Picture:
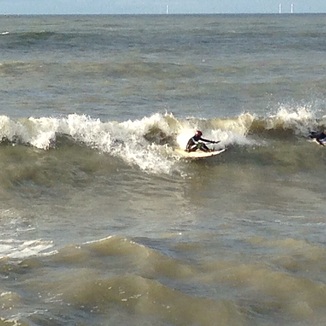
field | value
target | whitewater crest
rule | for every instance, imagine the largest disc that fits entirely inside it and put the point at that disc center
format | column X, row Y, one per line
column 149, row 142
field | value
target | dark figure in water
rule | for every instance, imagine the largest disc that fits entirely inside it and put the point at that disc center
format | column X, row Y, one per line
column 319, row 136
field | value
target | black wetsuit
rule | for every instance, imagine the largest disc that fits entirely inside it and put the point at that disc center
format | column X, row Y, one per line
column 196, row 142
column 320, row 137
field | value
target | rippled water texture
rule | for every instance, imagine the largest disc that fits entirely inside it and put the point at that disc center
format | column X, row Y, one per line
column 103, row 223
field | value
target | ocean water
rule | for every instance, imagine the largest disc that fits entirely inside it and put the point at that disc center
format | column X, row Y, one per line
column 102, row 223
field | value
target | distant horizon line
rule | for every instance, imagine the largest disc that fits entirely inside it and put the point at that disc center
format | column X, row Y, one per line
column 164, row 14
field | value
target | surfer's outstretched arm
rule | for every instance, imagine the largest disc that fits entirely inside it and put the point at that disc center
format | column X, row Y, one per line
column 209, row 141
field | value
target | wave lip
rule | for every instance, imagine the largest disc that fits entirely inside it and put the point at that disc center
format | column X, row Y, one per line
column 158, row 129
column 148, row 143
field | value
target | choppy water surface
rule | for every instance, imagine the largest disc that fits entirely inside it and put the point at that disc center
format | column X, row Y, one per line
column 103, row 223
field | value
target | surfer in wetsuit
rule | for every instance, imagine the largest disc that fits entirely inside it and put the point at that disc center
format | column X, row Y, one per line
column 197, row 142
column 320, row 137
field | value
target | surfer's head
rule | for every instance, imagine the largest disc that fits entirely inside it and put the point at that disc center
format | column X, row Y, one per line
column 198, row 133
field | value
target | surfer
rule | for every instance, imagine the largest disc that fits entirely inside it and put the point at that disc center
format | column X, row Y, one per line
column 320, row 137
column 197, row 142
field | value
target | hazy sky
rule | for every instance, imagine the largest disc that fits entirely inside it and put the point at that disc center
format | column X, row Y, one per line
column 158, row 6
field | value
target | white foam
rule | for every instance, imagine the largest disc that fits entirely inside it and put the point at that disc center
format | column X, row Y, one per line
column 127, row 139
column 20, row 249
column 300, row 118
column 226, row 131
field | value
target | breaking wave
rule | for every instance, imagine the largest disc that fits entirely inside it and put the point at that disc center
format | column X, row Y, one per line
column 149, row 142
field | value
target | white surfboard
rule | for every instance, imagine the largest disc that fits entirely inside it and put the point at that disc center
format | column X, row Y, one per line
column 197, row 154
column 314, row 140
